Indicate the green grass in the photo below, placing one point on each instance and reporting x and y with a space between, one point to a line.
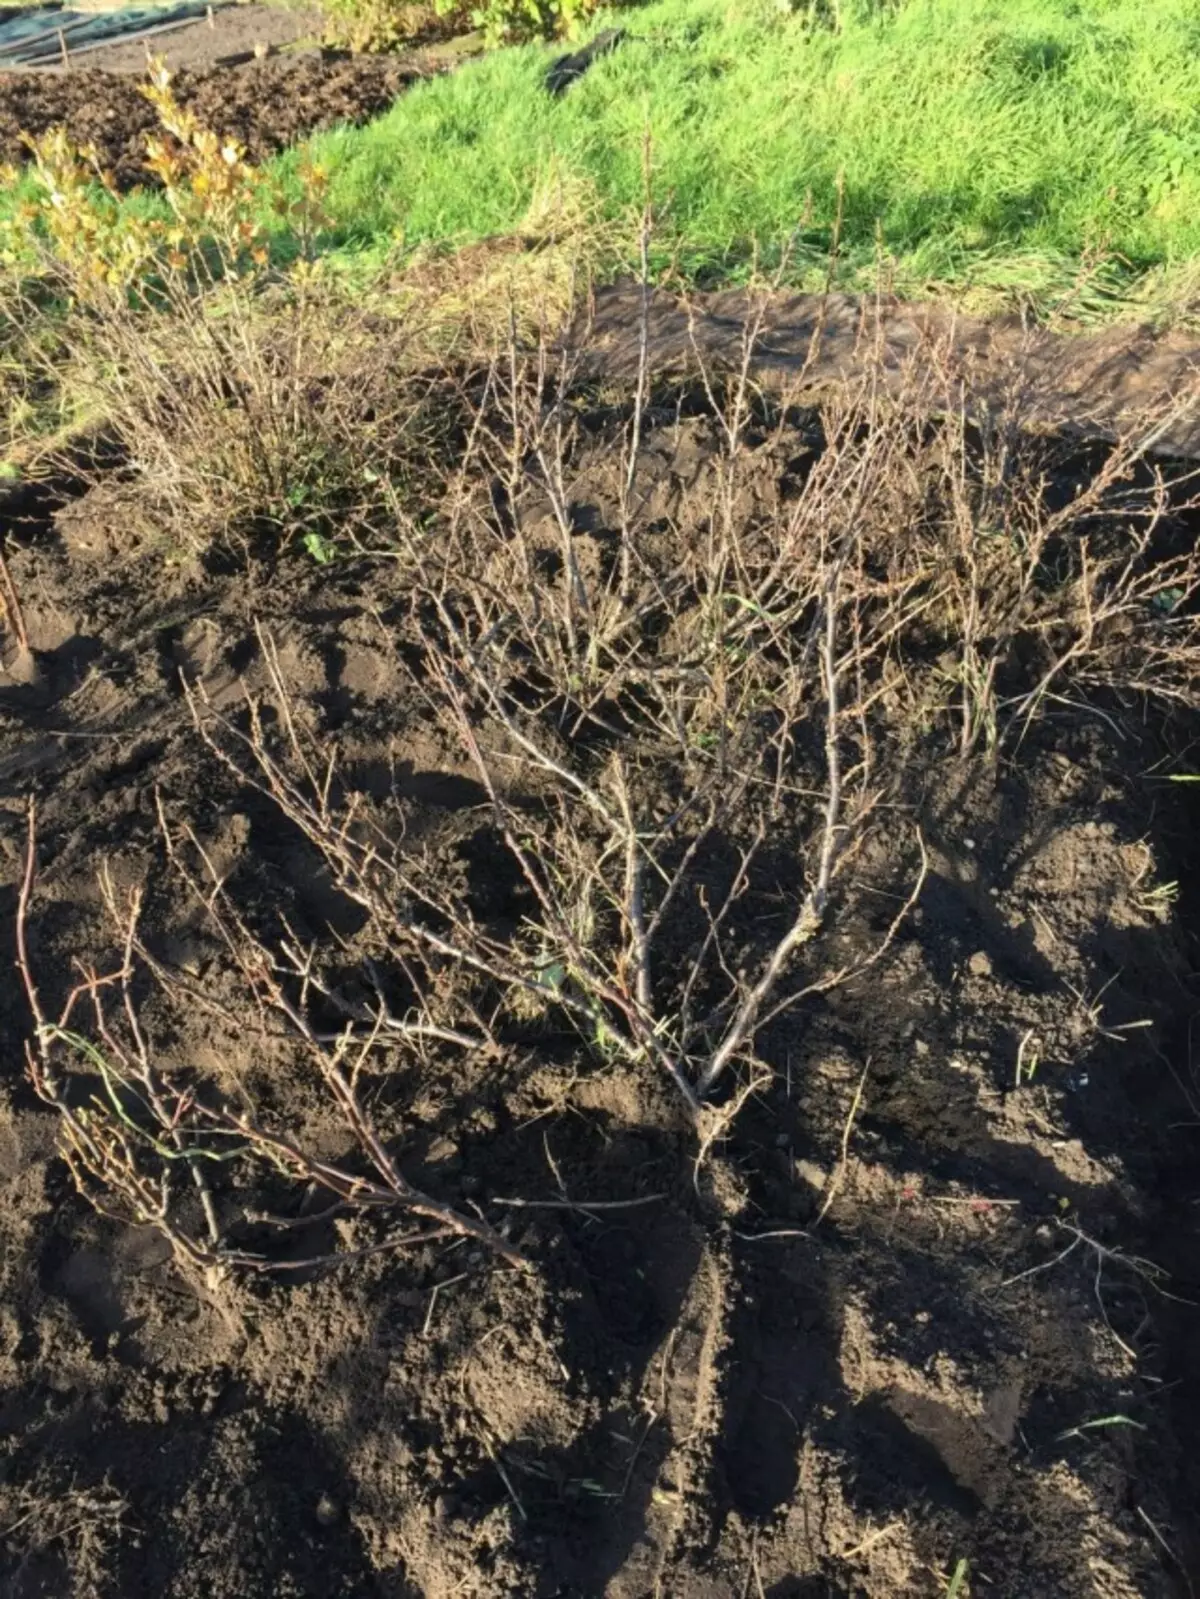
994 142
1039 151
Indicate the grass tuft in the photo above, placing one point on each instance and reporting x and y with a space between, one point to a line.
986 149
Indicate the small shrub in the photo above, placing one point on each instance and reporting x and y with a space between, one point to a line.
384 24
225 375
509 21
370 25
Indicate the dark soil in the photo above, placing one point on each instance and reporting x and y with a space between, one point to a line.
265 105
1082 383
730 1388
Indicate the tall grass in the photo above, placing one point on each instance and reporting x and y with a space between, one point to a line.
1002 141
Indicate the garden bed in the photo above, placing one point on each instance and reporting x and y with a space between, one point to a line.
267 105
923 1315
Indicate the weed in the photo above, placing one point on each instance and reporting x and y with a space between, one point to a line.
959 1585
1155 899
1028 1059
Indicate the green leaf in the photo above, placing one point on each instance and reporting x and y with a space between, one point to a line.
322 550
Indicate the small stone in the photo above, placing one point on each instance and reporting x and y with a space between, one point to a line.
443 1152
980 964
921 1047
327 1511
809 1172
968 843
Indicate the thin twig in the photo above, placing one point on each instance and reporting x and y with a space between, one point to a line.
437 1288
11 603
837 1176
581 1205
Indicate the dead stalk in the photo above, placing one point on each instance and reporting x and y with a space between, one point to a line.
812 910
838 1176
128 1123
10 602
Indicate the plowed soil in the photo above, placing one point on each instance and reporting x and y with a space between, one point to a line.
931 1301
1086 384
265 105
